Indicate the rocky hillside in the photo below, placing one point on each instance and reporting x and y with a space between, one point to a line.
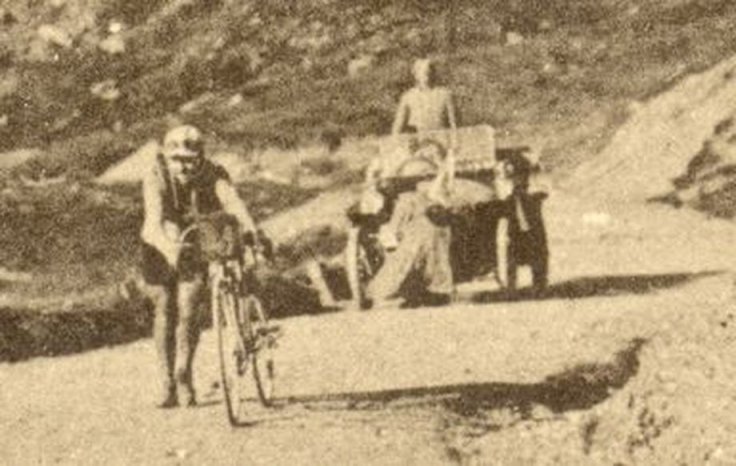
709 182
88 80
83 83
662 139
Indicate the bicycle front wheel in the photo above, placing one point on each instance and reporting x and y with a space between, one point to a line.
264 343
231 349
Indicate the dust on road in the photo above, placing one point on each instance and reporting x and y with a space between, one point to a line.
640 303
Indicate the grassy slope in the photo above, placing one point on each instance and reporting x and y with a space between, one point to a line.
593 56
564 89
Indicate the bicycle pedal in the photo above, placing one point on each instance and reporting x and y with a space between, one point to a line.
264 343
250 346
274 330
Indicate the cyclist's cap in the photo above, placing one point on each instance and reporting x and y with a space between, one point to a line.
183 141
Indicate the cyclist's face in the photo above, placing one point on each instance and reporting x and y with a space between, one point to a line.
184 168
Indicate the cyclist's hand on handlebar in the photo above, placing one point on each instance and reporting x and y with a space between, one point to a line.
258 247
265 246
249 257
249 239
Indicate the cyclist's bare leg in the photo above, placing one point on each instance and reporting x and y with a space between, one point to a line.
187 336
163 337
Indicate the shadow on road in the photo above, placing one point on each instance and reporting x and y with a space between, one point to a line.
580 387
589 287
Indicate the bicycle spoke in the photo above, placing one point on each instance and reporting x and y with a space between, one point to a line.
233 357
262 355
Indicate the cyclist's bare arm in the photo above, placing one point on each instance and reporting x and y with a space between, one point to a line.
234 205
153 231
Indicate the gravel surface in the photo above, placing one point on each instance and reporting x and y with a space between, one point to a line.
628 360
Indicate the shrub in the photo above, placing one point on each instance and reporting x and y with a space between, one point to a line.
323 166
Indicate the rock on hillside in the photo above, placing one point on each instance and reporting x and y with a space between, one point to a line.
660 137
709 182
289 62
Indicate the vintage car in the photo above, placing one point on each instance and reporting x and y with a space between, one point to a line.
491 237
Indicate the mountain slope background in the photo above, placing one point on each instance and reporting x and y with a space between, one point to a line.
529 67
84 83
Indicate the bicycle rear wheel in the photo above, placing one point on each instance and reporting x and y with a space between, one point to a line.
232 351
262 351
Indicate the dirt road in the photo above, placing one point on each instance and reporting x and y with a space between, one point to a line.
484 381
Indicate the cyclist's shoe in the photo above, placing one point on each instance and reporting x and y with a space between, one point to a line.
187 395
266 337
189 400
169 399
366 303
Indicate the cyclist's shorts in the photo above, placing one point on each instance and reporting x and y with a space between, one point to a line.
156 271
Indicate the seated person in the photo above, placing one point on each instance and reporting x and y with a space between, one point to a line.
417 262
421 245
418 233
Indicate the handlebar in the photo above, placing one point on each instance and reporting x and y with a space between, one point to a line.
224 237
197 220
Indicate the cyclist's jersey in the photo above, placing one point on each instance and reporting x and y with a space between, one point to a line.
171 206
198 197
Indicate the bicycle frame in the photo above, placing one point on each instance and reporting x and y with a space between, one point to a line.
227 272
229 277
243 334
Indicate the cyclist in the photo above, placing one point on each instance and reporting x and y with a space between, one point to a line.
181 183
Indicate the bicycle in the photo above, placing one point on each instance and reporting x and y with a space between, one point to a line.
244 336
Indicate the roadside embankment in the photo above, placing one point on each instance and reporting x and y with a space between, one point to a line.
27 333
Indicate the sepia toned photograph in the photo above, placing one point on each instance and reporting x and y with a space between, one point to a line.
368 232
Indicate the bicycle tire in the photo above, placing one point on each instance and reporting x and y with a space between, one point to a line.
262 350
231 350
505 257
